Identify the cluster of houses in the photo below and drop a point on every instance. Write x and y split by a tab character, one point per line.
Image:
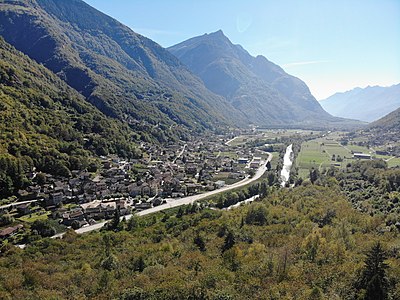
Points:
165	172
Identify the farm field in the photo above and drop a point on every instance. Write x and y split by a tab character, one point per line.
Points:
327	151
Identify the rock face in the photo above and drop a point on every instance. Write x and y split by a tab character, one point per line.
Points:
367	104
124	74
262	90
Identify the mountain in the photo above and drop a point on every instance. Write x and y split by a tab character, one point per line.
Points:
257	87
368	104
46	124
386	129
125	75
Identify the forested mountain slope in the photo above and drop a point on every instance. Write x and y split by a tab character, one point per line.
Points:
48	125
122	73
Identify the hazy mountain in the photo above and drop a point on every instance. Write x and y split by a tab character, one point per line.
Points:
259	88
390	122
122	73
368	104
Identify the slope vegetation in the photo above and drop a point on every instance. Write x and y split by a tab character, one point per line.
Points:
48	125
123	74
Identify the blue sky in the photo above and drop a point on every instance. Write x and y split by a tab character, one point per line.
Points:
333	45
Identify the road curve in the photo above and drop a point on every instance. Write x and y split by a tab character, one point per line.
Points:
182	201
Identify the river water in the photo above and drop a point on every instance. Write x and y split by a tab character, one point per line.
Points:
287	164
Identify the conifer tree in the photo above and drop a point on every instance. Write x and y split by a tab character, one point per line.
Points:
373	283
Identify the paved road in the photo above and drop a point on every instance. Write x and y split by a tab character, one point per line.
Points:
19	203
188	200
182	201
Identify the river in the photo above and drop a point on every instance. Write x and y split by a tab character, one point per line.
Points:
287	164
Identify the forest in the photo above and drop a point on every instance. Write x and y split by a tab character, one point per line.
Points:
301	243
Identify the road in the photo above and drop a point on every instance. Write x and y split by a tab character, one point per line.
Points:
230	141
182	201
180	153
19	203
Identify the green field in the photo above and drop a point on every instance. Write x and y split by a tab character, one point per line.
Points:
318	154
312	155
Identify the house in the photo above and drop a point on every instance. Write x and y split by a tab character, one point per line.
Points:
254	164
143	205
219	184
23	209
73	215
103	210
362	155
243	160
10	231
55	199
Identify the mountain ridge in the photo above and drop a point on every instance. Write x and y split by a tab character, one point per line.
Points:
119	71
261	89
366	104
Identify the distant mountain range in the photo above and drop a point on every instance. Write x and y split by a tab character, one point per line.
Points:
262	90
368	104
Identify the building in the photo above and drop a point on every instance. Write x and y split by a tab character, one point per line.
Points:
362	155
219	184
243	160
10	231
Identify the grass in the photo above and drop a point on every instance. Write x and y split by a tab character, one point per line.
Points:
30	218
394	162
229	154
225	177
318	153
312	155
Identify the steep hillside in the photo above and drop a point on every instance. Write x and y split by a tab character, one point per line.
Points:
387	129
388	122
262	90
48	125
124	74
367	104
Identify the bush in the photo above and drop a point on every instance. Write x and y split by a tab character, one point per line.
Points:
257	215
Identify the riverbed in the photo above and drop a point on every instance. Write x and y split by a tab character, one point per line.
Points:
287	164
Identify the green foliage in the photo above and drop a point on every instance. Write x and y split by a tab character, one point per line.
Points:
133	294
49	125
6	219
370	186
109	263
291	256
43	228
257	215
199	242
373	283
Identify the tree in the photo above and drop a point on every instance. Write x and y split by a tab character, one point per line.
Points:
43	228
114	223
373	283
314	175
133	294
6	219
257	215
199	242
229	242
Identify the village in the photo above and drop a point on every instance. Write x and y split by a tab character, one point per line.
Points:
165	172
